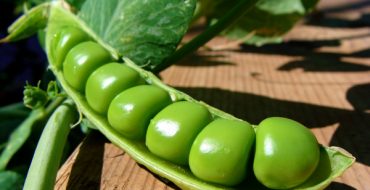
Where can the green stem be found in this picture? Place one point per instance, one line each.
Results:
(54, 104)
(3, 145)
(16, 110)
(48, 154)
(20, 135)
(234, 14)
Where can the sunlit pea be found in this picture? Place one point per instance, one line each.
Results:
(175, 128)
(81, 61)
(108, 81)
(221, 151)
(287, 153)
(64, 40)
(130, 111)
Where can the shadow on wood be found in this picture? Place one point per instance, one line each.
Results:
(351, 134)
(88, 162)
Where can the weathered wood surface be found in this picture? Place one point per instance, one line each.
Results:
(320, 76)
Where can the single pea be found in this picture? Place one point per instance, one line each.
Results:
(131, 110)
(287, 153)
(172, 131)
(221, 151)
(81, 61)
(66, 38)
(108, 81)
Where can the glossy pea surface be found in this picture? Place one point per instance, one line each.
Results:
(108, 81)
(221, 151)
(172, 131)
(65, 40)
(81, 61)
(131, 110)
(286, 154)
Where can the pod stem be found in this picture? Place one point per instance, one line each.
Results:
(240, 8)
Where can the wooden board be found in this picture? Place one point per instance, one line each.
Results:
(319, 76)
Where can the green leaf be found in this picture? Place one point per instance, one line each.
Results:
(11, 116)
(22, 133)
(145, 31)
(268, 19)
(15, 110)
(282, 6)
(261, 40)
(6, 128)
(28, 24)
(10, 180)
(37, 2)
(18, 137)
(76, 3)
(234, 13)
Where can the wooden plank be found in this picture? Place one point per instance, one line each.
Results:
(98, 164)
(320, 76)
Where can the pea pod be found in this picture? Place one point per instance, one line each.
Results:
(180, 175)
(50, 148)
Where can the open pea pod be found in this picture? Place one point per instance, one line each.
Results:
(333, 161)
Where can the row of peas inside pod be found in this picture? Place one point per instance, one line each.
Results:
(281, 152)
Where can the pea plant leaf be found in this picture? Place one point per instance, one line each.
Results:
(10, 117)
(28, 24)
(267, 20)
(145, 31)
(10, 180)
(18, 137)
(76, 4)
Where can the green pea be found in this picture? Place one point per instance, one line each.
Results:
(65, 40)
(221, 151)
(106, 82)
(286, 154)
(131, 110)
(81, 61)
(172, 131)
